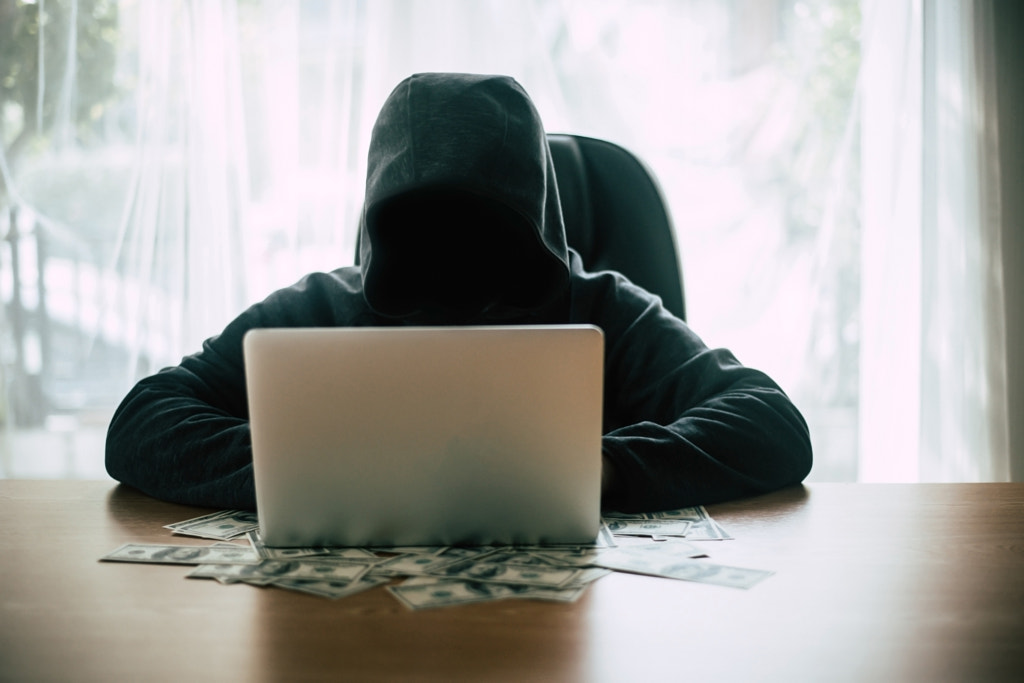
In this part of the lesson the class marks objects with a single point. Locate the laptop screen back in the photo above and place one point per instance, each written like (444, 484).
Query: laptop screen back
(426, 436)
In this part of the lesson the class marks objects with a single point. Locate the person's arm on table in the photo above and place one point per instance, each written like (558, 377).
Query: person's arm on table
(182, 435)
(685, 424)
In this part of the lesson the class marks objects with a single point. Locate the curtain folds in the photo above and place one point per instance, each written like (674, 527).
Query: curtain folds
(831, 167)
(891, 94)
(179, 248)
(933, 353)
(965, 432)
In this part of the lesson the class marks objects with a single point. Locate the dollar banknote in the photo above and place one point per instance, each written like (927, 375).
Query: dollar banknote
(223, 525)
(701, 526)
(587, 576)
(501, 572)
(352, 554)
(413, 564)
(269, 553)
(655, 544)
(151, 553)
(567, 557)
(521, 557)
(449, 593)
(333, 589)
(266, 572)
(674, 561)
(650, 527)
(431, 593)
(563, 594)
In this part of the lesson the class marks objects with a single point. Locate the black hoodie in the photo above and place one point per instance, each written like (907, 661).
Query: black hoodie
(462, 225)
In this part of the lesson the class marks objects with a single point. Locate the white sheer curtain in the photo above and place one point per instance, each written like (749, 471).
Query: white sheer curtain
(965, 431)
(178, 252)
(933, 355)
(828, 164)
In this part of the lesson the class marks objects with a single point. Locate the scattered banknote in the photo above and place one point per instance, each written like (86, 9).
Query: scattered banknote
(522, 558)
(269, 553)
(413, 564)
(225, 553)
(564, 594)
(269, 571)
(567, 557)
(586, 576)
(324, 581)
(333, 589)
(223, 525)
(432, 577)
(500, 572)
(465, 552)
(650, 527)
(431, 593)
(448, 593)
(701, 526)
(675, 561)
(354, 554)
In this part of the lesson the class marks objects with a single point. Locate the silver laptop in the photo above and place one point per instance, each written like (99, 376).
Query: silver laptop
(426, 436)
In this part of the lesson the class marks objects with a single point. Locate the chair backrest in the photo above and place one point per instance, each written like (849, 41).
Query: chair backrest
(615, 215)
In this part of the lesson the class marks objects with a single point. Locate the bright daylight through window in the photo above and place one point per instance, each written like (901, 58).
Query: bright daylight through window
(166, 163)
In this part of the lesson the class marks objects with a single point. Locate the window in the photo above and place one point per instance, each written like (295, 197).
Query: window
(167, 163)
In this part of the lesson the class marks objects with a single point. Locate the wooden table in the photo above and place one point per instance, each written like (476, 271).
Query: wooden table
(881, 582)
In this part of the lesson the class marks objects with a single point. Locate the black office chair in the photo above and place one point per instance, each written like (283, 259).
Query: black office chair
(616, 217)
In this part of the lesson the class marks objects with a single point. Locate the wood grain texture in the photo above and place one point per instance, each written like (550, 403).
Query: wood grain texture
(886, 582)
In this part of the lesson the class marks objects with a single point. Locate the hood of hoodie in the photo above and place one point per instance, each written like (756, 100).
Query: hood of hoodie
(461, 221)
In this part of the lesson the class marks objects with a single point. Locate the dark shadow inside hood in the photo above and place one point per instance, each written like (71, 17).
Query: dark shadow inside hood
(462, 221)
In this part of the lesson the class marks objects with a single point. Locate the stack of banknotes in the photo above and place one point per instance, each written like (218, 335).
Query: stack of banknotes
(655, 544)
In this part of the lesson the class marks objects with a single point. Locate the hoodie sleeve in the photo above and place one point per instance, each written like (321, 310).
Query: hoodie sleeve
(182, 435)
(684, 424)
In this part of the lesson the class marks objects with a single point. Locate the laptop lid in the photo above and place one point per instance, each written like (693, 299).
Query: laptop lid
(426, 436)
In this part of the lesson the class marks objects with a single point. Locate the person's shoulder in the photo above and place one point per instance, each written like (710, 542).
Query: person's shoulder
(606, 291)
(319, 298)
(319, 283)
(346, 278)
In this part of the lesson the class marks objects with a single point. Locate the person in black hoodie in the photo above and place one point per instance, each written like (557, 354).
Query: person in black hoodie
(462, 225)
